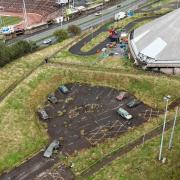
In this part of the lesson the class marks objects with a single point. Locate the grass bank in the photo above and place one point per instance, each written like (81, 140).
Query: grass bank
(142, 163)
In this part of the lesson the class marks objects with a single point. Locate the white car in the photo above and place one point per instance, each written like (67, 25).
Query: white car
(98, 13)
(123, 113)
(53, 146)
(119, 16)
(47, 41)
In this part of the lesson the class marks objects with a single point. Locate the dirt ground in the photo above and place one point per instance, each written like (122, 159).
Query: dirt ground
(87, 116)
(81, 119)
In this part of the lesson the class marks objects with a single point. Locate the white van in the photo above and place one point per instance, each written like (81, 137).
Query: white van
(119, 16)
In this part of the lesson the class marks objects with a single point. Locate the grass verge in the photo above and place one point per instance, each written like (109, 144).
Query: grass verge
(94, 41)
(142, 163)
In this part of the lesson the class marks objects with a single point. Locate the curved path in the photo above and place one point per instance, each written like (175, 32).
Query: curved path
(76, 49)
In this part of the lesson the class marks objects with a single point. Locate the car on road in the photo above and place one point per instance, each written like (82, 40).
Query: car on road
(98, 13)
(53, 146)
(52, 98)
(43, 114)
(133, 103)
(122, 96)
(63, 89)
(47, 41)
(119, 6)
(123, 113)
(119, 16)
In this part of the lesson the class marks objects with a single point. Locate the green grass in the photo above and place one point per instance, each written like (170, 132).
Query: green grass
(9, 20)
(21, 133)
(14, 71)
(84, 159)
(18, 111)
(141, 23)
(122, 64)
(95, 41)
(142, 163)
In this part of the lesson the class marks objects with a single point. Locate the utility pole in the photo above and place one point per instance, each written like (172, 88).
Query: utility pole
(1, 17)
(102, 12)
(73, 3)
(25, 15)
(178, 4)
(166, 98)
(172, 132)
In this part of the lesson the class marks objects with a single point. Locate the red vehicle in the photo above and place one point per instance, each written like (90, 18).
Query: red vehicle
(122, 96)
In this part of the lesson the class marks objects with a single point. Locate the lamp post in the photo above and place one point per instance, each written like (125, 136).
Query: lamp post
(1, 18)
(166, 98)
(25, 15)
(172, 132)
(102, 12)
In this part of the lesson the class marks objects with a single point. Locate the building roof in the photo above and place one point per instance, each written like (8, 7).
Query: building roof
(160, 39)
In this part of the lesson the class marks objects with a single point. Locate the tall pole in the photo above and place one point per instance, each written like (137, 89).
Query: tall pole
(172, 132)
(1, 17)
(164, 125)
(25, 15)
(178, 4)
(102, 11)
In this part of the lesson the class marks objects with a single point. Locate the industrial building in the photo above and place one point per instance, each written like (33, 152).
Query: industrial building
(156, 45)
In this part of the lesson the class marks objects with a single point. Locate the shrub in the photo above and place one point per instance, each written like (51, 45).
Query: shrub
(9, 53)
(61, 35)
(75, 30)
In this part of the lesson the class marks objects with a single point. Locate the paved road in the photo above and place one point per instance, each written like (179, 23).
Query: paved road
(90, 20)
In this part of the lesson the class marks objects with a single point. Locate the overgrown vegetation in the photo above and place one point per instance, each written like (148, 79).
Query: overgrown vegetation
(95, 41)
(9, 53)
(142, 162)
(74, 30)
(21, 133)
(61, 35)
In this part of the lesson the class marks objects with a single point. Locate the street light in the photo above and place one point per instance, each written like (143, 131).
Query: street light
(102, 11)
(25, 15)
(166, 98)
(172, 132)
(1, 17)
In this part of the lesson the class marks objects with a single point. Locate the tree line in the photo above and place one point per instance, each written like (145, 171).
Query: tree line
(14, 51)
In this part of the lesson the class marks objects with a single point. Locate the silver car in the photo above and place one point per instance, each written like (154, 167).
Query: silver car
(43, 114)
(53, 146)
(123, 113)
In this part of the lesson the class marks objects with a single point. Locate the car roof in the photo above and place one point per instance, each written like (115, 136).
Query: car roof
(123, 111)
(50, 148)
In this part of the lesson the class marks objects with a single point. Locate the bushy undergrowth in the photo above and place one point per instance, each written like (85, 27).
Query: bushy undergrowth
(12, 52)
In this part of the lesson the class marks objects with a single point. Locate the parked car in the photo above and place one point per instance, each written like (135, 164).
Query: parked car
(122, 96)
(133, 103)
(63, 89)
(53, 146)
(47, 41)
(123, 113)
(43, 114)
(98, 13)
(52, 98)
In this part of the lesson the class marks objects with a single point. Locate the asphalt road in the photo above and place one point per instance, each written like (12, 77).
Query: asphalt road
(90, 20)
